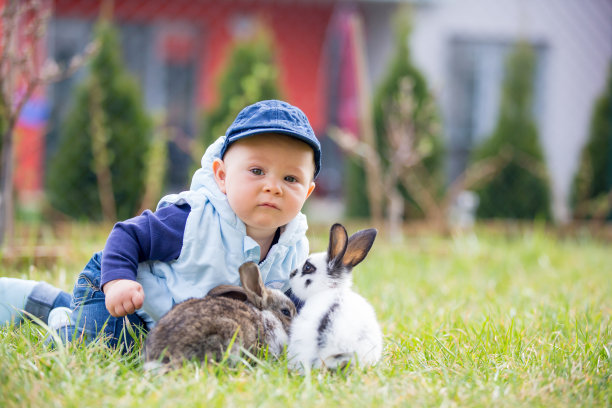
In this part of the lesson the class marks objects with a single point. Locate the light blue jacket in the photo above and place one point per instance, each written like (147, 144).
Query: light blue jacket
(215, 244)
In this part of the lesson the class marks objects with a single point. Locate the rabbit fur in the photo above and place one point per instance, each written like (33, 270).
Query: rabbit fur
(203, 328)
(335, 325)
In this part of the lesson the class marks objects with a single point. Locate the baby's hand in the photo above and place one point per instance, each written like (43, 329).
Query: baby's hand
(123, 297)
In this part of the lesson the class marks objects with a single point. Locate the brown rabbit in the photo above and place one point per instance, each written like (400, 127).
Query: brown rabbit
(203, 328)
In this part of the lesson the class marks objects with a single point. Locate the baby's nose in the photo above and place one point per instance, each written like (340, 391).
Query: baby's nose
(273, 187)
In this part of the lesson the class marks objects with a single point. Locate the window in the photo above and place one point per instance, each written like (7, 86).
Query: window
(476, 77)
(163, 58)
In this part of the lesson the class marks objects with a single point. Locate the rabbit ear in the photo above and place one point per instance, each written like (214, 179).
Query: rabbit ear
(252, 284)
(229, 291)
(358, 246)
(337, 244)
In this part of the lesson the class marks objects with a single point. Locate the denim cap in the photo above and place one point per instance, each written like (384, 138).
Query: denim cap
(273, 117)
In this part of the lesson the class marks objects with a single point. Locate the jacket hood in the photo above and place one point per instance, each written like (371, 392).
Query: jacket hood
(204, 179)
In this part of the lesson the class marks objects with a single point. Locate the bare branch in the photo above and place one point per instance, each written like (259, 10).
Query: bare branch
(476, 174)
(597, 208)
(350, 144)
(51, 72)
(99, 141)
(530, 164)
(26, 95)
(8, 28)
(602, 213)
(412, 181)
(24, 24)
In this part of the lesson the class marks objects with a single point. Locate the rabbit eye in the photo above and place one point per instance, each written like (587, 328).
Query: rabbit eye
(308, 268)
(286, 312)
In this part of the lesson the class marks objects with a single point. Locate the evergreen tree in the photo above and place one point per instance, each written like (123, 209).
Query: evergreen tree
(593, 180)
(108, 118)
(251, 75)
(401, 68)
(521, 189)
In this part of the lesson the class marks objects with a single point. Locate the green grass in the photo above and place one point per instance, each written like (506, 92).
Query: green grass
(478, 319)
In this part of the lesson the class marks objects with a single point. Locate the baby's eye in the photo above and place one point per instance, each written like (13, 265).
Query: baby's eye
(257, 172)
(290, 179)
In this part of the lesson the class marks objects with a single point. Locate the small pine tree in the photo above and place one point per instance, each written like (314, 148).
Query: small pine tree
(251, 75)
(517, 191)
(593, 180)
(111, 96)
(401, 68)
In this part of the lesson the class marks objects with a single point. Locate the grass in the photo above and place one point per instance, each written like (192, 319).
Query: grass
(489, 318)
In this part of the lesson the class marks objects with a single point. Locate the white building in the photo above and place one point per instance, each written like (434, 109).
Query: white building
(460, 45)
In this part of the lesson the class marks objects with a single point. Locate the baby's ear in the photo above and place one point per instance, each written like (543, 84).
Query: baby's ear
(218, 167)
(310, 189)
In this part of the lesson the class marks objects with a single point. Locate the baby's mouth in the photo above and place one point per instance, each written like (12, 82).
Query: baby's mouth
(269, 205)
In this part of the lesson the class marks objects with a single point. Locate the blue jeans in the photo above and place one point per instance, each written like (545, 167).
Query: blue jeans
(90, 318)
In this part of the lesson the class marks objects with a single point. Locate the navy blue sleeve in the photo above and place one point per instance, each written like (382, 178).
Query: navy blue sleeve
(156, 236)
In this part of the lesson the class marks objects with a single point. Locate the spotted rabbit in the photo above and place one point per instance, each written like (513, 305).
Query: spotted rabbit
(336, 325)
(204, 328)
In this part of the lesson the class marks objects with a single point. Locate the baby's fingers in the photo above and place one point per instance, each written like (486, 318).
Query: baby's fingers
(128, 307)
(111, 307)
(117, 311)
(138, 298)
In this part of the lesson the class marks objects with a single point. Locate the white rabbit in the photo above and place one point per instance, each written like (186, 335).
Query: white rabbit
(335, 325)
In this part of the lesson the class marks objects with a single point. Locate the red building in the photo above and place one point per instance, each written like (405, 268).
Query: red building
(178, 48)
(198, 33)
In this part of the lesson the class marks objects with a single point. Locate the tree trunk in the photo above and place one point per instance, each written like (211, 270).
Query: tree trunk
(366, 125)
(6, 185)
(100, 154)
(395, 212)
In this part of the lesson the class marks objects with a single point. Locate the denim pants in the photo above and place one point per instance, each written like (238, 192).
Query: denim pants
(90, 318)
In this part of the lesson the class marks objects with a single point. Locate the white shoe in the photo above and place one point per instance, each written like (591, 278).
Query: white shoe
(59, 317)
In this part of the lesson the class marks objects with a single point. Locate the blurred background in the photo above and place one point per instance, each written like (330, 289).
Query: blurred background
(435, 110)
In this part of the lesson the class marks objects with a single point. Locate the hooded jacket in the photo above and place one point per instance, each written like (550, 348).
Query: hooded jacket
(215, 244)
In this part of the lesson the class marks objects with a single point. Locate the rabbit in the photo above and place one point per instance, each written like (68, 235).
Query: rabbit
(335, 325)
(203, 328)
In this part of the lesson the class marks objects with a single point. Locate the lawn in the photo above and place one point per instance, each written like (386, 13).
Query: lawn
(497, 317)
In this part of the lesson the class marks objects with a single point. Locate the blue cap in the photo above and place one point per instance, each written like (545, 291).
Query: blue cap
(273, 117)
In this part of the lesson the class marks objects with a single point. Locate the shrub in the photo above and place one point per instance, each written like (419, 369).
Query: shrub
(251, 75)
(593, 179)
(107, 108)
(401, 68)
(520, 190)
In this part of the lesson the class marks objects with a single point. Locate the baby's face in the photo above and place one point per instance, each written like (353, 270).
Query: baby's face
(267, 179)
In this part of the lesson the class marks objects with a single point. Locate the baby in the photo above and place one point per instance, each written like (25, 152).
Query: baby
(243, 205)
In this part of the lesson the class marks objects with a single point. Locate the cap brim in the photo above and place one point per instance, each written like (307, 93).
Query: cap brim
(315, 147)
(253, 132)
